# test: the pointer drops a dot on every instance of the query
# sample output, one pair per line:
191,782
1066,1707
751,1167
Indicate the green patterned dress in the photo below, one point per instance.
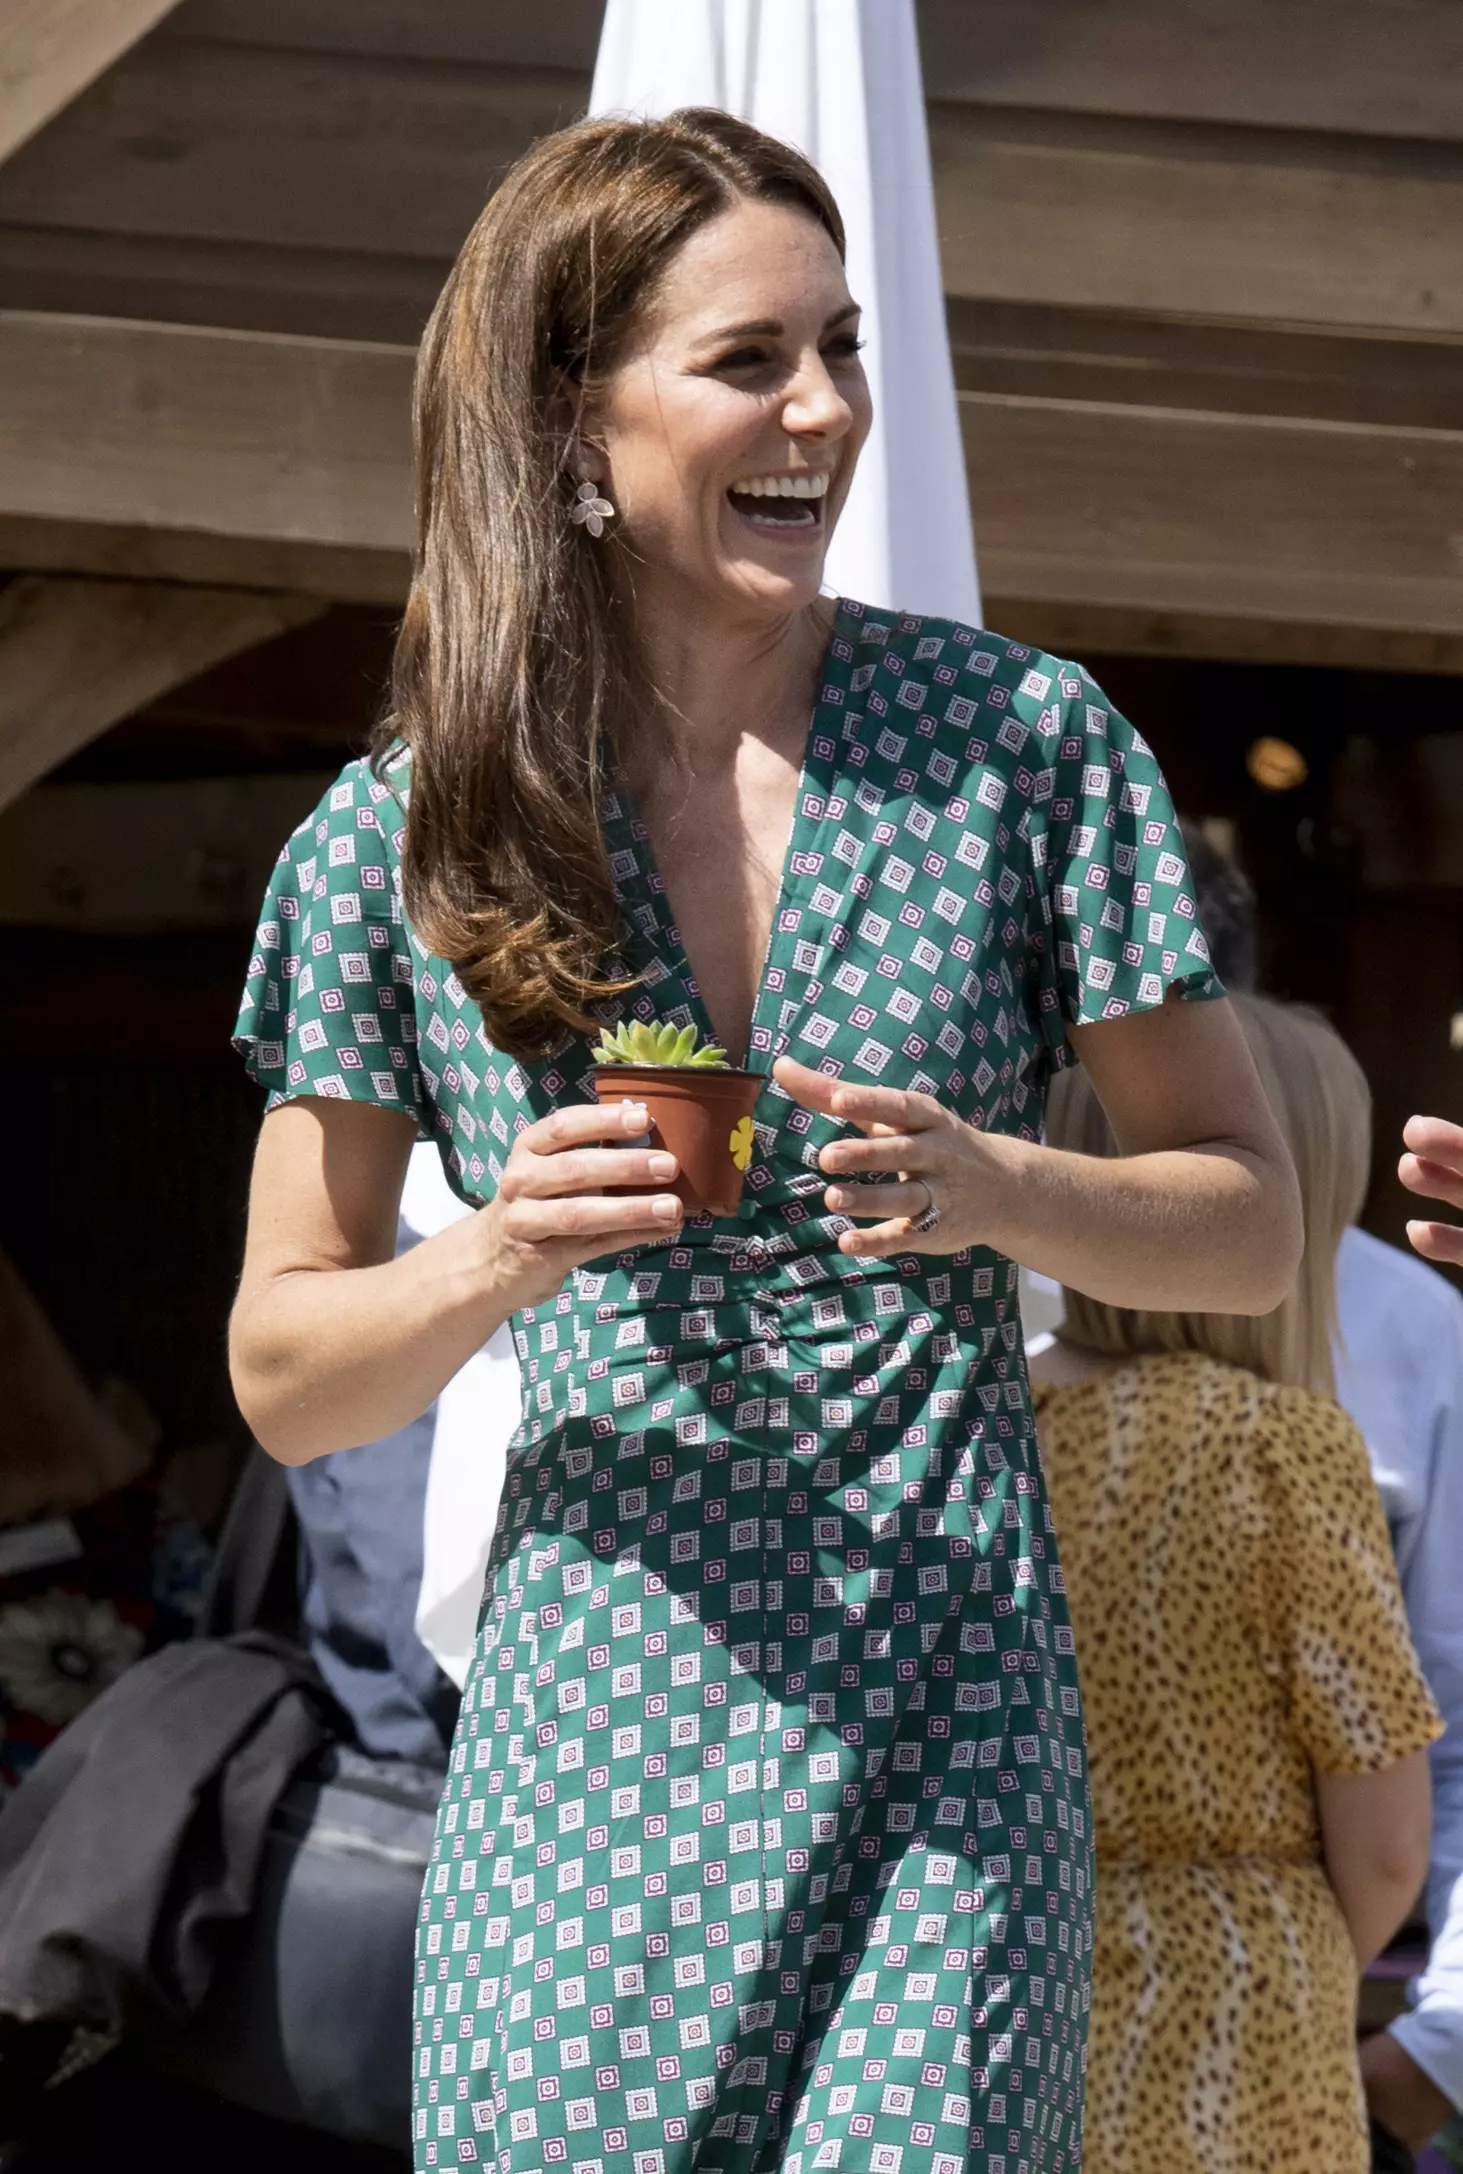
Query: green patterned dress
766,1842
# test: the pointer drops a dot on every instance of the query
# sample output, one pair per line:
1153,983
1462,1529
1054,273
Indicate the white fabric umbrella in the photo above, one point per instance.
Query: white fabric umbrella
841,80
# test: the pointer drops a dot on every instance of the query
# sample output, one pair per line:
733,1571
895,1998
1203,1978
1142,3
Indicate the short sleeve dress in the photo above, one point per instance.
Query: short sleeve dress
766,1836
1239,1626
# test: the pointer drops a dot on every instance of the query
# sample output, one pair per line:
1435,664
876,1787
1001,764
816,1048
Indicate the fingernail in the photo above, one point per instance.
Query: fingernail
662,1166
836,1197
636,1116
666,1209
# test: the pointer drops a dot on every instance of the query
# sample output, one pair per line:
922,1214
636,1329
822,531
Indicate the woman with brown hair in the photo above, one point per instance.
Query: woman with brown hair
1257,1719
765,1843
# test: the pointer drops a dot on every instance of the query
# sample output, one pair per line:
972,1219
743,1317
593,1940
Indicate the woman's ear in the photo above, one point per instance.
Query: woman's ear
565,418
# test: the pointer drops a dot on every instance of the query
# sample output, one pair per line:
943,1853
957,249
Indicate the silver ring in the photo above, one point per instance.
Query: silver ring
922,1225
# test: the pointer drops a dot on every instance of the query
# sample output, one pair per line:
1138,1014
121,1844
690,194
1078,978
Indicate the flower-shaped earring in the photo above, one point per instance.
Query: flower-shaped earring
591,509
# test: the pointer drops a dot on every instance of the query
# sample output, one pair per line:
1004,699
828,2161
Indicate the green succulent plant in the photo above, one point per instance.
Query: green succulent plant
632,1042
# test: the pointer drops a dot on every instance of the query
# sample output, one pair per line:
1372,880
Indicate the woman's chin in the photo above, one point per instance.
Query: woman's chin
735,581
788,584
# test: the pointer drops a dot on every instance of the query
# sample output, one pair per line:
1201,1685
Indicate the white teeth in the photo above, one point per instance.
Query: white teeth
783,486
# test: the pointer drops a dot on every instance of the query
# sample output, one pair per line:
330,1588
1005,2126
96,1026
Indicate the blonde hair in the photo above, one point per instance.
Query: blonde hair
1323,1107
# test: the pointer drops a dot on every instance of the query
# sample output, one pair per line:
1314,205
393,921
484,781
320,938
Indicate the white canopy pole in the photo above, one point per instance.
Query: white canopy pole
841,80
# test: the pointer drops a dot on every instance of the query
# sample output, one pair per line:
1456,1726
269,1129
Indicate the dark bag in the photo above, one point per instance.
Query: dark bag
311,2019
202,1862
136,1840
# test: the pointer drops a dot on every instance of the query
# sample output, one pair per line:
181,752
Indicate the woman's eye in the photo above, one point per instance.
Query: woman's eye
848,346
744,358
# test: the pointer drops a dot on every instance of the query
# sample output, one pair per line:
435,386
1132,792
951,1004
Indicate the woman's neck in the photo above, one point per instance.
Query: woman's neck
718,682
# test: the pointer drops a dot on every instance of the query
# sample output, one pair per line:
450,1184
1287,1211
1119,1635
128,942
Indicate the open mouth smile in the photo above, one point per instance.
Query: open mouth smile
781,503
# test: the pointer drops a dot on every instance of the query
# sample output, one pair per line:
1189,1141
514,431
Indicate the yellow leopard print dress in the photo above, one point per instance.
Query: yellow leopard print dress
1238,1624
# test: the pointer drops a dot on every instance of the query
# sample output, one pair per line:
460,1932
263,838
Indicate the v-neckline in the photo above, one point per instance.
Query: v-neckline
831,690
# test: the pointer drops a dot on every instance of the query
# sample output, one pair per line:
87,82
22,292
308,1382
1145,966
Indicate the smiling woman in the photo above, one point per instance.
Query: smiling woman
766,1842
604,331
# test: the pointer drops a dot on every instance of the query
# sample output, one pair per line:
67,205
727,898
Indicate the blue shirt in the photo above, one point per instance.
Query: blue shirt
1399,1372
360,1518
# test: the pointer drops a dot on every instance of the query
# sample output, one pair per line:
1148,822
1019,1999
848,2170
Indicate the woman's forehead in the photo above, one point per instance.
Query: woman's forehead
752,264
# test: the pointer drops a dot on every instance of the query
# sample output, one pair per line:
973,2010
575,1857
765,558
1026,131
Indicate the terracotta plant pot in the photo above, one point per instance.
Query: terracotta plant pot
703,1116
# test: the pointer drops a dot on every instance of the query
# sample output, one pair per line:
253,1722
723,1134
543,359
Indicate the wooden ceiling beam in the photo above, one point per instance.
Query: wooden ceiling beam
511,35
277,169
332,573
1097,630
1045,351
272,462
77,656
1268,518
251,436
1385,68
50,50
1269,227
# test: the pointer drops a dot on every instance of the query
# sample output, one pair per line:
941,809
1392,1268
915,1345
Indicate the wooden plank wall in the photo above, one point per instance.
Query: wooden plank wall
51,49
1205,263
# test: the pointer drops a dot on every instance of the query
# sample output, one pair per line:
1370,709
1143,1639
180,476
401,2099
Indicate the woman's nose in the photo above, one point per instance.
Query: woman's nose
815,403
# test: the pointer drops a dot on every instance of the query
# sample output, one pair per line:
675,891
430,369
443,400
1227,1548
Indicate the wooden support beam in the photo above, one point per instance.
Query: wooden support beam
1171,510
1043,351
331,573
505,34
230,458
1380,67
1365,67
248,145
50,50
1096,630
1266,159
76,657
1187,219
245,435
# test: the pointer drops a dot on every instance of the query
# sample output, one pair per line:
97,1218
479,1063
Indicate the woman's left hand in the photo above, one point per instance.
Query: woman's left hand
944,1165
1198,1212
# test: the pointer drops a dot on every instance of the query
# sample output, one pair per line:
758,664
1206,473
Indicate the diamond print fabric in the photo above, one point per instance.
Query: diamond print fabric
766,1838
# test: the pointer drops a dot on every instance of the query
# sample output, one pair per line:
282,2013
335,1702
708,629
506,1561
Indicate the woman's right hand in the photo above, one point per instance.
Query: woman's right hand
337,1338
563,1200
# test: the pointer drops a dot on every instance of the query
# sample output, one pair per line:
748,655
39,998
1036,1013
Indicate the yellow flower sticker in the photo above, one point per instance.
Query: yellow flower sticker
740,1142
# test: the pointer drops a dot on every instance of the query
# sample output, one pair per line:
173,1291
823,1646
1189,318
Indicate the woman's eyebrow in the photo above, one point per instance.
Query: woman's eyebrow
772,328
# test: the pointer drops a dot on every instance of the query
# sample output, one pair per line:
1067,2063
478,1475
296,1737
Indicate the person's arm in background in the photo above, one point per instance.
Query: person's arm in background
1374,1839
1332,1594
1413,2071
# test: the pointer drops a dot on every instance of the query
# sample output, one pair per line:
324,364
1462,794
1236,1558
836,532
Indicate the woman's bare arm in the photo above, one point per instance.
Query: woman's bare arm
333,1341
1375,1830
1200,1213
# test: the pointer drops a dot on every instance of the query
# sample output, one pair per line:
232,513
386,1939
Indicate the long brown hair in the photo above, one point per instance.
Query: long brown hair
515,663
1323,1107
